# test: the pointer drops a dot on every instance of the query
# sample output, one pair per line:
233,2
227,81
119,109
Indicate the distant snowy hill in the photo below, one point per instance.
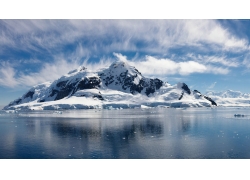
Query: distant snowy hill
117,86
230,98
229,94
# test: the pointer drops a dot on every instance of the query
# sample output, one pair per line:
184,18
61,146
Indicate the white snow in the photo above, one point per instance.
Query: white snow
230,98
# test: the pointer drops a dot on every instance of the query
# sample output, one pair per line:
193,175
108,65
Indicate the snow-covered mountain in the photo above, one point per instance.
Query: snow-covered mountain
117,86
229,94
230,98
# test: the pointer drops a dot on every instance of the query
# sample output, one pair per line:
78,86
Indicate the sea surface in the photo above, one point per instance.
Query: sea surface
155,133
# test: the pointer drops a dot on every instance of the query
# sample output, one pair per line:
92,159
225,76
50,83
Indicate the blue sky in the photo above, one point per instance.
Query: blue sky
205,54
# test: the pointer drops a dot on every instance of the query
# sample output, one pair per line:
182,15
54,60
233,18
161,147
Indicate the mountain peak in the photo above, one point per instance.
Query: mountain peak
120,64
228,94
80,68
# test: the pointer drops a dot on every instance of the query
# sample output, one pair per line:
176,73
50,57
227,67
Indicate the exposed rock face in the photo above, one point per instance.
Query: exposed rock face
212,101
29,94
127,78
15,102
186,88
206,97
181,96
66,88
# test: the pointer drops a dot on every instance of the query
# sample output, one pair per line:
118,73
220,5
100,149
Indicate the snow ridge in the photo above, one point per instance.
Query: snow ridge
229,94
230,98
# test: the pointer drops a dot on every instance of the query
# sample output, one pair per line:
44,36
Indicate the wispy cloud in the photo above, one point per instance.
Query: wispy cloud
212,85
59,46
213,59
30,61
7,74
211,32
246,61
105,36
149,66
48,72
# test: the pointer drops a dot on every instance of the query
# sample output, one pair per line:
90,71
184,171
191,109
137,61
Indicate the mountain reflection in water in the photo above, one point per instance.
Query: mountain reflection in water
132,133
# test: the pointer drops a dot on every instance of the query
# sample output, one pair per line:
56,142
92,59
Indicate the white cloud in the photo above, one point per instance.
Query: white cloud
191,67
105,36
120,56
153,66
103,63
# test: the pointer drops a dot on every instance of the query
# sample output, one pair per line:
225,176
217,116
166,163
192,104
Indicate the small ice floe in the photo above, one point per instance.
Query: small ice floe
181,108
163,106
240,115
58,112
110,108
11,111
145,107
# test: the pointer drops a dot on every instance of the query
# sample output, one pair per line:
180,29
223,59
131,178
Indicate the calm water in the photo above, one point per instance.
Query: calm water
131,133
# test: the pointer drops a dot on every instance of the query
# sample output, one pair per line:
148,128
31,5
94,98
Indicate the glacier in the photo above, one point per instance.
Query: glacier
118,86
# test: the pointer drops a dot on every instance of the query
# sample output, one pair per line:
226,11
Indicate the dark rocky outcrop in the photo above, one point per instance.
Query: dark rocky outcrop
88,83
65,88
181,95
29,94
209,99
154,85
206,97
61,84
15,102
125,80
53,93
186,88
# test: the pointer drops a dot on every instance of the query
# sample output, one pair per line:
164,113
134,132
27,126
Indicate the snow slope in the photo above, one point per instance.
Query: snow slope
117,86
229,94
230,98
